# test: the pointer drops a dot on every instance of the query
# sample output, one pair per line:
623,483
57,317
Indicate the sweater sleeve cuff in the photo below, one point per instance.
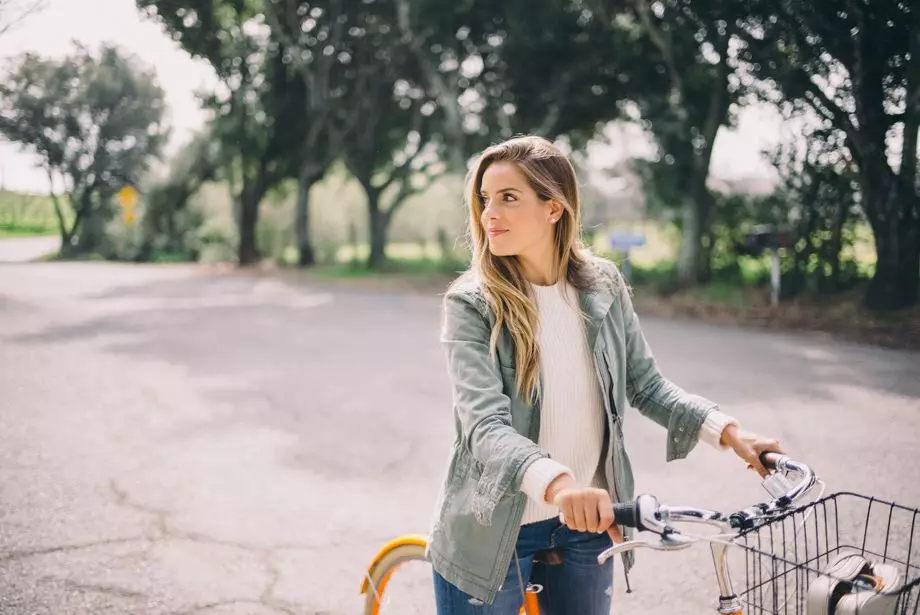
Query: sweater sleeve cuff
538,477
715,423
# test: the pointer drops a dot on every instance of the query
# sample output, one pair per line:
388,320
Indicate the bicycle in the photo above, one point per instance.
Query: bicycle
792,552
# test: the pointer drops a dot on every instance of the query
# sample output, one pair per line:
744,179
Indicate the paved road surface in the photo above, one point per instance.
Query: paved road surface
21,250
178,442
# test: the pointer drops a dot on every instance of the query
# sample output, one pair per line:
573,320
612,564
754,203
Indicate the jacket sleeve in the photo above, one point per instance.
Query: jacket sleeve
483,409
653,395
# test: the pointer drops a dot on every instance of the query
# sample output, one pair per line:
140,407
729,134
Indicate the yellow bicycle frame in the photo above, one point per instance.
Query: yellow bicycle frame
419,540
530,606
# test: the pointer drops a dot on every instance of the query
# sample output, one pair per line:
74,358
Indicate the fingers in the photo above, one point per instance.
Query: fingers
568,513
605,514
759,447
771,446
592,513
579,517
615,534
754,464
585,510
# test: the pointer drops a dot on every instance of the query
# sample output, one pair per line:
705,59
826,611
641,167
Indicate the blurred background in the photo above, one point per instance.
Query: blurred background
222,214
335,137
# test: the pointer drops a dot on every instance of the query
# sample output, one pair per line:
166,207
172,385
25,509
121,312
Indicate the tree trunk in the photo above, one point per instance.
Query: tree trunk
696,210
707,241
896,281
379,225
836,245
799,274
306,256
689,257
59,214
248,253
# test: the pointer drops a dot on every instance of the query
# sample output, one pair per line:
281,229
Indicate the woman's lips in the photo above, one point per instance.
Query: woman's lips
497,232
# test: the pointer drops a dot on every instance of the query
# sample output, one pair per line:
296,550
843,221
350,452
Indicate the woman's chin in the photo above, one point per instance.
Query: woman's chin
498,250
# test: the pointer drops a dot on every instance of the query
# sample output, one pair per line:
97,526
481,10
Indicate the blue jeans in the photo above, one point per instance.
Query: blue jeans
576,585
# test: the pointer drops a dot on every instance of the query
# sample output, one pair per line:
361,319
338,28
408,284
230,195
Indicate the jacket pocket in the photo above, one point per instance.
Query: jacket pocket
467,465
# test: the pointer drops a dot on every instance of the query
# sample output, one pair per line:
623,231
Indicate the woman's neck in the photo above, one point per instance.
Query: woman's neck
541,271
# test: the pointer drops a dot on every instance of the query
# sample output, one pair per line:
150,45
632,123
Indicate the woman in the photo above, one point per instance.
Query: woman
544,350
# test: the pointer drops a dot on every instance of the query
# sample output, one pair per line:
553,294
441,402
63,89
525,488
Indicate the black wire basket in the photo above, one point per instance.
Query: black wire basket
784,559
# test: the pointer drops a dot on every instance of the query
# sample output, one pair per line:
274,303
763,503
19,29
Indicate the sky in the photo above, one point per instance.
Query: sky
51,33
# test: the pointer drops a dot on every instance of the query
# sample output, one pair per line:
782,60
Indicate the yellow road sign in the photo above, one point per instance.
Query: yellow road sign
127,196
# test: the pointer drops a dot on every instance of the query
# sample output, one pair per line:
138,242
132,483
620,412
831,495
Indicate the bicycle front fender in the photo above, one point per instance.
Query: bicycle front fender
420,540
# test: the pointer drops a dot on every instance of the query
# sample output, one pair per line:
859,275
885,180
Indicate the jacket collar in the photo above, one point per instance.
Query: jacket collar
595,302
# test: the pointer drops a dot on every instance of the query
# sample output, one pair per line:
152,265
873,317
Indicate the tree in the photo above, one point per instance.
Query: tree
685,87
555,69
317,44
95,121
438,35
256,88
390,150
167,222
560,68
551,68
820,186
856,65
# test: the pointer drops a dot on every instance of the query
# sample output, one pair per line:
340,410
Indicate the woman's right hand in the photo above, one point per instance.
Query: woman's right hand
584,509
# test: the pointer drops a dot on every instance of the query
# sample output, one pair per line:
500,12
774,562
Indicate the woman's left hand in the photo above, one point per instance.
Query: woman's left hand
749,446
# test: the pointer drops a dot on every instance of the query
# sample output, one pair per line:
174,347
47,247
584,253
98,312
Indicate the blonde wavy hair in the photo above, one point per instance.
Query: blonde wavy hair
552,176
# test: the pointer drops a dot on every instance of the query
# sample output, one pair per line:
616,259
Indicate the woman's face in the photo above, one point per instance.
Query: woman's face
515,220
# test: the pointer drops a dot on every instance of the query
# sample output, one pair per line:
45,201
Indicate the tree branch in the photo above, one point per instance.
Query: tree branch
65,237
7,22
814,95
404,172
446,94
547,126
718,101
316,74
663,43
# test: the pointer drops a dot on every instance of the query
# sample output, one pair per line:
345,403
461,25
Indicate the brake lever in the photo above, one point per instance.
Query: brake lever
671,541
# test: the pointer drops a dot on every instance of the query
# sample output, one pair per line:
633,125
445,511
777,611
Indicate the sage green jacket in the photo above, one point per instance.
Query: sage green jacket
480,506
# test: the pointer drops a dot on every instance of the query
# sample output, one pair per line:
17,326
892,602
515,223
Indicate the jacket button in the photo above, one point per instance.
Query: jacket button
680,429
676,439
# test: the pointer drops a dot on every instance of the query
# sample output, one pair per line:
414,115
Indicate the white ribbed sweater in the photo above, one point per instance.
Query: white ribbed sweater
572,410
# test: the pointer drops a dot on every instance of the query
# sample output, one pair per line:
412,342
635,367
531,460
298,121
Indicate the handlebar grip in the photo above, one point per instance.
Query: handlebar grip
626,514
769,459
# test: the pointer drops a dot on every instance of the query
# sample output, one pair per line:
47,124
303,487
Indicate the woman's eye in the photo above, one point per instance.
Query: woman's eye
508,197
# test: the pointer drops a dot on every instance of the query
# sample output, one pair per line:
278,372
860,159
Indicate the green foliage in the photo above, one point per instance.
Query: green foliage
733,217
821,190
95,121
169,224
855,68
659,275
256,112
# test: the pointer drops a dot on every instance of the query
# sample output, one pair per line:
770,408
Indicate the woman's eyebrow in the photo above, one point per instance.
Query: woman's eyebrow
502,190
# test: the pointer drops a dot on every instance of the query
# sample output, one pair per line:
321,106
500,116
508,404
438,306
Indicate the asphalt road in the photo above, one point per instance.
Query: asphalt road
174,441
24,249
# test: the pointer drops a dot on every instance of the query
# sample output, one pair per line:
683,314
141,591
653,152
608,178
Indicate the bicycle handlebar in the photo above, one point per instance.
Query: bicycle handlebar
646,514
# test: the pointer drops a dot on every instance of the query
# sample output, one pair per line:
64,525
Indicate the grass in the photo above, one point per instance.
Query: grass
395,267
7,232
26,215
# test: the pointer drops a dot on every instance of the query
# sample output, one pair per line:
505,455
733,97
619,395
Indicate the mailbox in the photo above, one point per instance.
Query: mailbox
763,237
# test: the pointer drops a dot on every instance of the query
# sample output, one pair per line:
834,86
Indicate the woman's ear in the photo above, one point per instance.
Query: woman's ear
555,210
